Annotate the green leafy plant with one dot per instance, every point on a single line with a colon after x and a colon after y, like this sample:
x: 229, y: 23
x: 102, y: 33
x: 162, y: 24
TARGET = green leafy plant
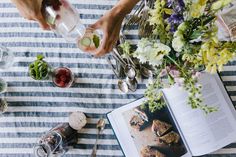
x: 38, y: 70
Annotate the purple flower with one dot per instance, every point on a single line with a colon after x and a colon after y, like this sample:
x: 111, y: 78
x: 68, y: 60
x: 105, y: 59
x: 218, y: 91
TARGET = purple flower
x: 176, y: 5
x: 180, y: 6
x: 169, y: 3
x: 177, y: 17
x: 175, y: 20
x: 174, y: 73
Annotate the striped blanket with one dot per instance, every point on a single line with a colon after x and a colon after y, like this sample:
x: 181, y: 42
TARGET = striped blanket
x: 37, y: 106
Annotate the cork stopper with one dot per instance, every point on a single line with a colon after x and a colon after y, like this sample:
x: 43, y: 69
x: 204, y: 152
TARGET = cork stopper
x: 77, y: 120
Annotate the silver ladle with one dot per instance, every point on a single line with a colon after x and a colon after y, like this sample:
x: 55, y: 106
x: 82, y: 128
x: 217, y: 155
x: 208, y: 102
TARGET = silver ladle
x: 100, y: 127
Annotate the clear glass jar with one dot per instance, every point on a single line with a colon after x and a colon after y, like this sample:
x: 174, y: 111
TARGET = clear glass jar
x: 55, y: 142
x: 3, y: 105
x: 6, y: 58
x: 64, y: 20
x: 49, y: 145
x: 3, y: 102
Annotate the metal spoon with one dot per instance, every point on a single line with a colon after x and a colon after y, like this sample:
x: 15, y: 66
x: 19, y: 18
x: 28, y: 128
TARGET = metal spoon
x: 130, y: 71
x: 146, y: 72
x: 117, y: 55
x: 122, y: 40
x: 100, y: 127
x: 122, y: 85
x: 132, y: 84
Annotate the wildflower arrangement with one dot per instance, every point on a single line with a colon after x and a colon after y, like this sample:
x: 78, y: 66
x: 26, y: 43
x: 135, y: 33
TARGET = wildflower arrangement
x: 182, y: 43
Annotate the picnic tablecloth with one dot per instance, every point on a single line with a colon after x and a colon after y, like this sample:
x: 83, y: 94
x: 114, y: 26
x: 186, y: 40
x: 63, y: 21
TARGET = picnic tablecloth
x: 37, y: 106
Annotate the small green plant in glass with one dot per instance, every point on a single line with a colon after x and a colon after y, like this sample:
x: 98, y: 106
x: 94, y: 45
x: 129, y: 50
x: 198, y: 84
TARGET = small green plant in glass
x: 39, y: 69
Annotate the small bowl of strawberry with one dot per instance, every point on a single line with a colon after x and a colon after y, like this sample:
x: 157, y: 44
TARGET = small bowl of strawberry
x: 63, y: 77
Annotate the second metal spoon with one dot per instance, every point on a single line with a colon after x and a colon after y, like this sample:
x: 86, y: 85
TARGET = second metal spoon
x: 100, y: 127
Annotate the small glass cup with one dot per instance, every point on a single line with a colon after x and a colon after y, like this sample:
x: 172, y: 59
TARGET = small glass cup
x: 90, y: 41
x: 3, y: 102
x: 3, y: 105
x: 6, y: 58
x: 3, y: 86
x: 63, y: 77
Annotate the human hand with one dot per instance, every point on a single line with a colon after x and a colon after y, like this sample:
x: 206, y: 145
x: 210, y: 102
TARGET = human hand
x: 110, y: 24
x: 31, y: 10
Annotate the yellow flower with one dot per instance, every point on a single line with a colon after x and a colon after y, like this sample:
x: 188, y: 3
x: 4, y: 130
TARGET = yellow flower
x: 213, y: 57
x: 197, y: 8
x: 220, y: 4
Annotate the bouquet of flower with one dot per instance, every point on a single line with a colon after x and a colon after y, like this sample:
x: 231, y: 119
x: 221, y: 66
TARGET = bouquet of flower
x: 182, y: 41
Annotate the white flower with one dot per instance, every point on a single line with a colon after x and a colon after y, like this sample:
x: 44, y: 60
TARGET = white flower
x: 178, y: 40
x: 151, y: 51
x: 178, y: 44
x: 182, y: 27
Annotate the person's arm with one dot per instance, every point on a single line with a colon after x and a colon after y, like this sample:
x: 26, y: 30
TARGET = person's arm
x: 31, y: 10
x: 110, y: 24
x: 125, y: 6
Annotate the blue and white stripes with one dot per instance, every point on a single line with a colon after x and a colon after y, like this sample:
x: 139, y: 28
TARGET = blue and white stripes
x: 37, y: 106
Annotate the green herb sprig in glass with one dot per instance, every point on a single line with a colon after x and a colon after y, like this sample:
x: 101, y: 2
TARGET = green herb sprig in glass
x: 39, y: 69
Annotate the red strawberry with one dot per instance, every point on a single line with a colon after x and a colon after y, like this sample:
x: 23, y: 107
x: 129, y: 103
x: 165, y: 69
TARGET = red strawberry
x: 57, y: 80
x: 61, y: 84
x: 63, y: 78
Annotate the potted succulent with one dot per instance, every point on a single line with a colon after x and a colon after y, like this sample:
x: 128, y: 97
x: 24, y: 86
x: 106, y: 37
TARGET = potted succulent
x: 39, y: 69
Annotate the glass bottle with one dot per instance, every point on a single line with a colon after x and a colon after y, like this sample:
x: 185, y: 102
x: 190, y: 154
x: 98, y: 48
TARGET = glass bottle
x: 64, y: 19
x: 6, y: 58
x: 55, y: 142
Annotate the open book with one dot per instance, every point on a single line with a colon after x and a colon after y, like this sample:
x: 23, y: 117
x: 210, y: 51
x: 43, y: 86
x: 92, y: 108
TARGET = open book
x: 177, y: 130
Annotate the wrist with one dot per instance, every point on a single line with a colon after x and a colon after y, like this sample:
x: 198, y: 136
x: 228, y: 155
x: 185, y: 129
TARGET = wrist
x: 122, y: 8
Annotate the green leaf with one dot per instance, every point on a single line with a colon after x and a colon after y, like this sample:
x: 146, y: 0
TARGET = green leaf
x: 40, y: 57
x: 39, y: 68
x: 196, y: 34
x: 96, y: 40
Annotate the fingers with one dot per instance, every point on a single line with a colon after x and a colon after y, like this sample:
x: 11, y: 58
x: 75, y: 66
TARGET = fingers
x: 39, y: 18
x: 109, y: 41
x: 96, y: 25
x: 42, y: 23
x: 107, y: 45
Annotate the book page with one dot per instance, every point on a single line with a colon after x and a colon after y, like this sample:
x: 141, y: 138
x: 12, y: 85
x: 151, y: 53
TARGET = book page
x: 141, y: 140
x: 204, y: 133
